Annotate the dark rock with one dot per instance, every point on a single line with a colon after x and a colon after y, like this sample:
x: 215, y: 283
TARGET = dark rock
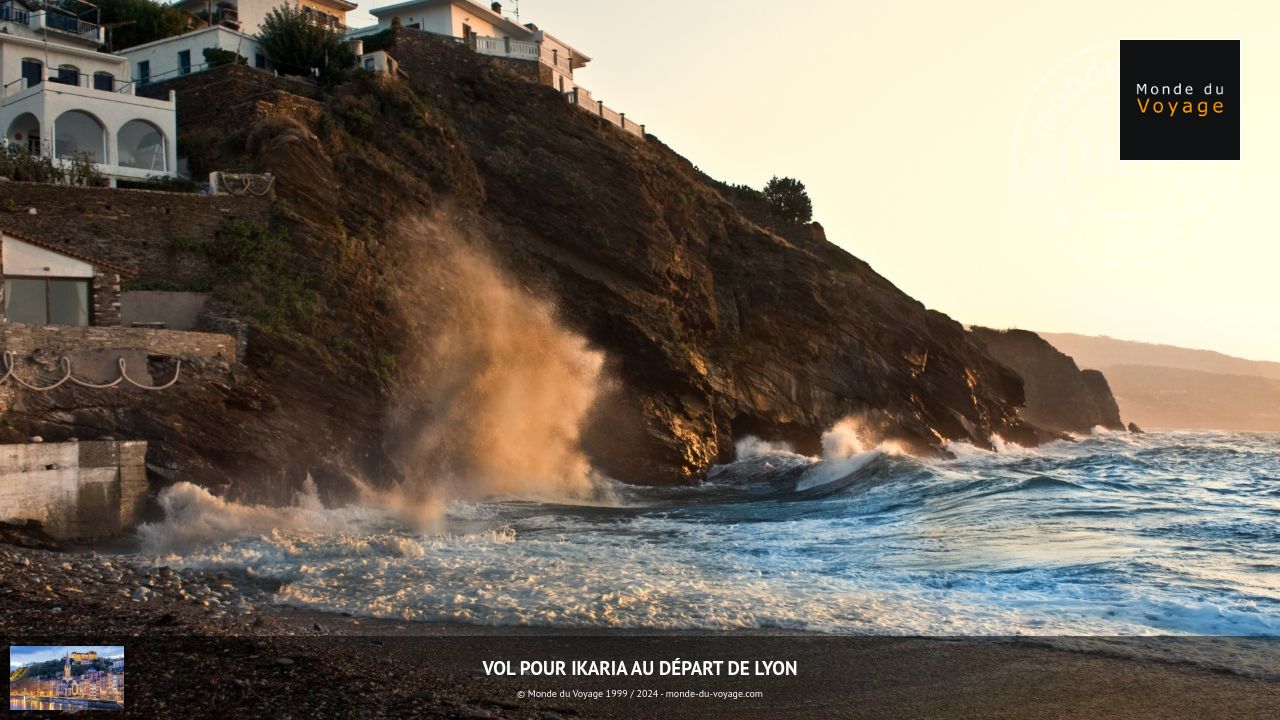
x: 1059, y: 395
x: 27, y: 533
x: 1133, y: 428
x: 717, y: 321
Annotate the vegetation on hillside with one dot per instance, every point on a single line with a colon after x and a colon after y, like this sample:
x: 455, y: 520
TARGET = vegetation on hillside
x: 136, y: 22
x: 19, y: 163
x: 789, y: 200
x: 297, y: 46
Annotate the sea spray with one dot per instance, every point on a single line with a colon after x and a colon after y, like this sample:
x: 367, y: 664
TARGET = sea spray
x: 491, y: 396
x: 494, y: 391
x: 193, y: 517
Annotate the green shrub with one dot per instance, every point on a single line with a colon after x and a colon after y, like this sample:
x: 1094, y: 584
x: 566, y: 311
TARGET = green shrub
x: 789, y: 200
x: 19, y: 163
x: 136, y: 22
x: 217, y: 57
x: 297, y: 46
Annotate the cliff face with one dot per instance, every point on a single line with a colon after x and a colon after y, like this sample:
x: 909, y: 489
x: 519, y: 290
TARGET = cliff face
x: 714, y: 322
x: 1060, y: 396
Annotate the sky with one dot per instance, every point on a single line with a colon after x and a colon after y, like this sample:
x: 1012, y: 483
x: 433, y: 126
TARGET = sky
x: 20, y: 655
x: 969, y: 151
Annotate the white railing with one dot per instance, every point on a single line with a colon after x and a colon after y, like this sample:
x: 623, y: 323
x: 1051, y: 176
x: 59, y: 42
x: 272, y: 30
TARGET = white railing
x: 581, y: 97
x: 532, y: 51
x: 506, y: 47
x: 553, y: 59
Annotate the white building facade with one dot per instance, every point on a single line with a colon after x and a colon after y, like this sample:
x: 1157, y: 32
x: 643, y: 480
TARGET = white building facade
x: 60, y: 97
x: 488, y: 31
x: 184, y: 54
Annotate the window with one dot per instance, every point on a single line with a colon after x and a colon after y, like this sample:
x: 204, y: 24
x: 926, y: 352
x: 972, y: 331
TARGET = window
x: 184, y: 62
x: 68, y: 75
x: 369, y: 64
x: 104, y: 81
x: 144, y: 72
x: 47, y: 301
x: 32, y: 71
x: 260, y: 61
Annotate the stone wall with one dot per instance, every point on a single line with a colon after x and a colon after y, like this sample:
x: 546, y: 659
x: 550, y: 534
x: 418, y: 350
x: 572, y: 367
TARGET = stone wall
x: 213, y: 92
x: 141, y: 229
x: 75, y: 490
x: 106, y: 298
x: 23, y: 340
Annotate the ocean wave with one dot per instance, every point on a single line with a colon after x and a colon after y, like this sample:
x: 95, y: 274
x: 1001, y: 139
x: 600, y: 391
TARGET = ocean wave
x: 1109, y: 535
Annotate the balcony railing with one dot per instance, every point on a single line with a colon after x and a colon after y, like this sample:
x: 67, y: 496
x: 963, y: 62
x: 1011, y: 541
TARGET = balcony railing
x: 9, y: 13
x: 505, y: 47
x: 69, y: 24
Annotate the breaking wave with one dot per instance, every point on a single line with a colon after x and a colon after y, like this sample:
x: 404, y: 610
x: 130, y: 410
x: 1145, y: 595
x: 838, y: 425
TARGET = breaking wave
x: 1112, y: 535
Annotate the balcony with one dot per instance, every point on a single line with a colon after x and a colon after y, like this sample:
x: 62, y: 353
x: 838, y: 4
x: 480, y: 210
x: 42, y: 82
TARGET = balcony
x: 11, y: 13
x: 522, y: 50
x: 65, y: 22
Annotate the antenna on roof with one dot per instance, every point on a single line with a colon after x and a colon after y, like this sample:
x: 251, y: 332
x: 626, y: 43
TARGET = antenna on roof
x: 516, y: 4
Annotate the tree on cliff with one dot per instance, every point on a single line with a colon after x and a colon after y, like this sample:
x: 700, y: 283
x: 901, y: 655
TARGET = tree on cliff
x: 789, y: 200
x: 135, y: 22
x: 298, y: 46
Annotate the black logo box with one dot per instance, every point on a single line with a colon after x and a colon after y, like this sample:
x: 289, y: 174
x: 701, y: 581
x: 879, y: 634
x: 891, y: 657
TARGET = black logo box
x: 1194, y: 63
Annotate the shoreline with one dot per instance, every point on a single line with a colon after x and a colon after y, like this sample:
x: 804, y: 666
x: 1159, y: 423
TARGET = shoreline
x: 222, y: 629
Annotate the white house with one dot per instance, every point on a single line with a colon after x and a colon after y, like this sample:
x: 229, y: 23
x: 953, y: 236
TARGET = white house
x: 234, y: 27
x: 247, y: 15
x: 62, y: 97
x: 45, y: 284
x: 172, y: 57
x: 488, y: 31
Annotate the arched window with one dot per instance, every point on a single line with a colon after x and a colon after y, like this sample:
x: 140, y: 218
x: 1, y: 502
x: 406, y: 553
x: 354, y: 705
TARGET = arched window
x: 104, y: 81
x: 139, y: 144
x: 76, y: 132
x: 68, y: 75
x: 24, y: 131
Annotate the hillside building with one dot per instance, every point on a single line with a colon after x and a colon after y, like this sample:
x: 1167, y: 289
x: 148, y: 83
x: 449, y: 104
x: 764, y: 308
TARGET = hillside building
x: 62, y: 98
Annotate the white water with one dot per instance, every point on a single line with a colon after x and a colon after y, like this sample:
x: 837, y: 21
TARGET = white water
x: 1112, y: 535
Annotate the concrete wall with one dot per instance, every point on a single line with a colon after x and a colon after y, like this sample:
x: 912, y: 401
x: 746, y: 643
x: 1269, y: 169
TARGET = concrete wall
x: 76, y: 490
x: 177, y: 310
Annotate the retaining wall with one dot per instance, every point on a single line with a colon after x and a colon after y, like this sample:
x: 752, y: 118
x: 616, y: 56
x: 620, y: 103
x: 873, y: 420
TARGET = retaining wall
x: 75, y: 490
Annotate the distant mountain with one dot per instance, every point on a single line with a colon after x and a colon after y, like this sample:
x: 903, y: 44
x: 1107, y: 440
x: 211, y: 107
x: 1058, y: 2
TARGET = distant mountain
x: 1102, y: 352
x: 1163, y: 386
x: 1160, y: 397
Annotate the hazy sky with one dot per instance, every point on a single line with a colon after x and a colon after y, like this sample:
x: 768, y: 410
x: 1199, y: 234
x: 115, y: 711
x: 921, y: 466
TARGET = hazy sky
x: 969, y: 151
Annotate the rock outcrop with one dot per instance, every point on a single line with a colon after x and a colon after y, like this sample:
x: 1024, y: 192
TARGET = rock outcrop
x: 716, y: 321
x: 1060, y: 396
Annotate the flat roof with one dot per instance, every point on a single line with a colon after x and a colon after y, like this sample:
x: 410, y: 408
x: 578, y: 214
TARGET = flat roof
x: 185, y: 35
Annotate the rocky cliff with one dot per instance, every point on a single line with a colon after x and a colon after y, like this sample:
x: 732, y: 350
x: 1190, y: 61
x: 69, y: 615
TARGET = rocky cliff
x: 713, y: 321
x: 1060, y: 396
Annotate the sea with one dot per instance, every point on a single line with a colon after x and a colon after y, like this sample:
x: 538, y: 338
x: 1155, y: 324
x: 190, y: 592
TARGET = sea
x: 1110, y: 534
